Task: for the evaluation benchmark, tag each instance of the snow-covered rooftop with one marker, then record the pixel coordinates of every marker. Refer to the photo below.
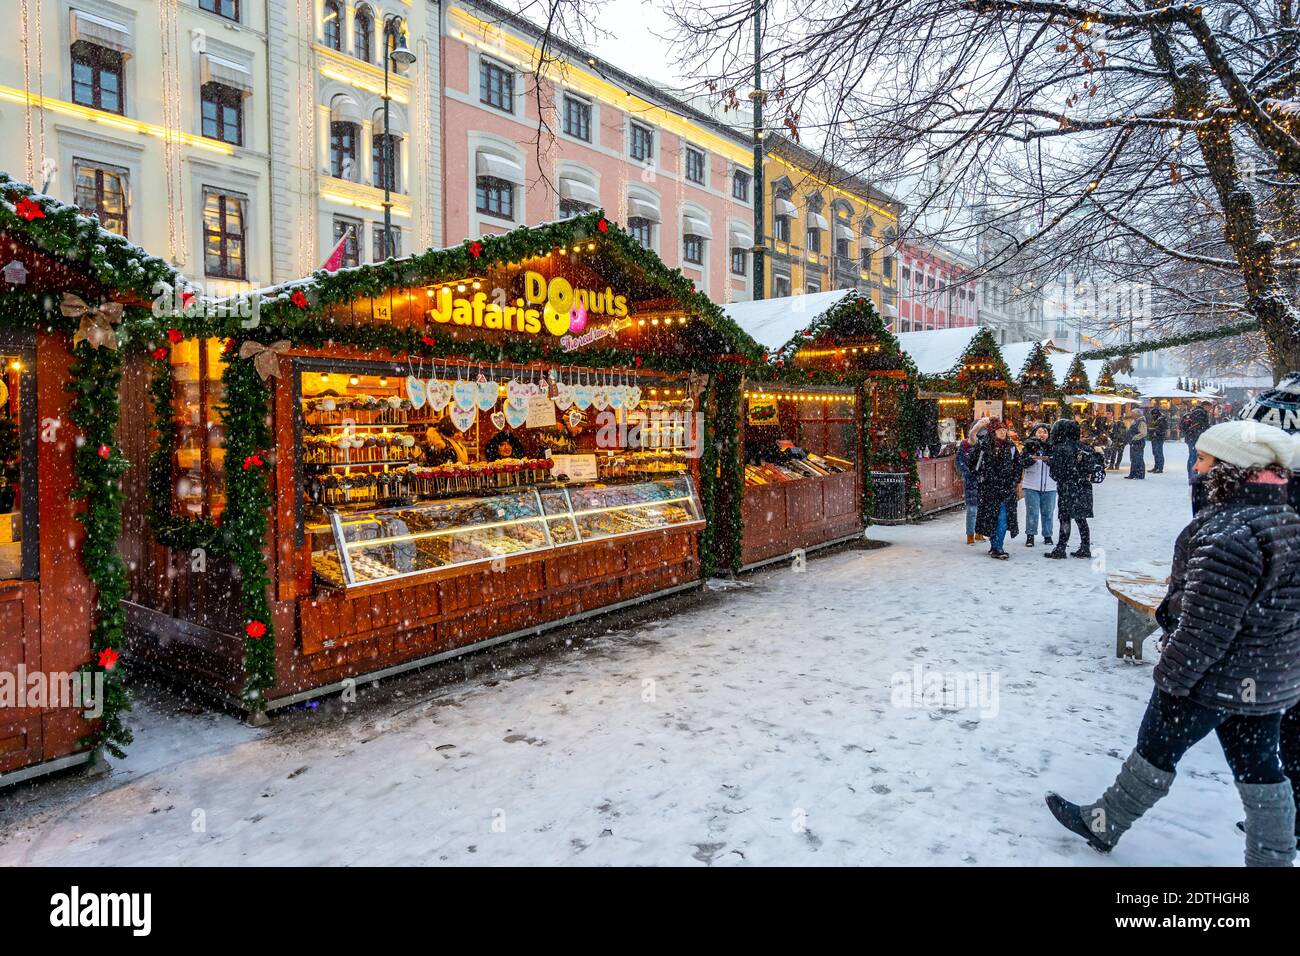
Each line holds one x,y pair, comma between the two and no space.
937,351
774,322
1060,363
1016,355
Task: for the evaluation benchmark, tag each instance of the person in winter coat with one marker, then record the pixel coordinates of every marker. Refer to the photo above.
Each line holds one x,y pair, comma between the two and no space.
1040,487
995,463
1137,442
970,487
1097,437
1159,435
1192,425
1071,465
1231,663
1118,439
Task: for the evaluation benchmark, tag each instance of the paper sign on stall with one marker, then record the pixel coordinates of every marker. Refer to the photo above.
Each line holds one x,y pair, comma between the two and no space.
987,409
575,467
541,412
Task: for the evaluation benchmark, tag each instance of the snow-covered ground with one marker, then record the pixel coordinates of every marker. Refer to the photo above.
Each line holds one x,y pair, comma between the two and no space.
757,726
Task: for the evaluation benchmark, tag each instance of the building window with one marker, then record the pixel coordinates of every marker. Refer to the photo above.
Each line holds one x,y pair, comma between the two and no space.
97,77
813,289
496,86
814,240
333,25
693,249
386,154
343,150
223,113
842,248
780,286
222,8
739,261
866,257
781,228
740,185
380,252
643,143
223,235
577,118
642,230
496,197
101,192
694,166
352,247
887,266
571,207
363,37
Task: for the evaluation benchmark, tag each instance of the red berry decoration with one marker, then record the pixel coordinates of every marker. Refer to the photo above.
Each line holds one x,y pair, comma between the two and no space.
229,347
187,297
427,340
104,452
637,360
299,299
255,629
160,353
602,225
108,658
253,461
476,248
29,210
175,336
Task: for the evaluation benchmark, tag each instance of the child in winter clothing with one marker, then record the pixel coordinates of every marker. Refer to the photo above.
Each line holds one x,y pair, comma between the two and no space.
995,463
1040,487
1231,662
970,488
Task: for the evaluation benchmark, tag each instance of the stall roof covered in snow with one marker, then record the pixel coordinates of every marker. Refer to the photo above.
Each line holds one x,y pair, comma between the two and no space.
1060,363
1093,367
774,322
1016,354
937,352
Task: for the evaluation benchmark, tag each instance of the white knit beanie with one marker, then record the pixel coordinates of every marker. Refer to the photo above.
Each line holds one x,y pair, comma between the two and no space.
1250,444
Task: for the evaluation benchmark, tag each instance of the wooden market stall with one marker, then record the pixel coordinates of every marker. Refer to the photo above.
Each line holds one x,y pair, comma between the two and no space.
1035,396
812,420
962,376
65,282
456,449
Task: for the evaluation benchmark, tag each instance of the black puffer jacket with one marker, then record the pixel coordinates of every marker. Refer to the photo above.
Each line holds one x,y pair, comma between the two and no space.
1234,606
997,470
1067,460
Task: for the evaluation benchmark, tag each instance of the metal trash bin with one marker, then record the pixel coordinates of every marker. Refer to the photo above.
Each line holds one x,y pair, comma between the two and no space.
890,488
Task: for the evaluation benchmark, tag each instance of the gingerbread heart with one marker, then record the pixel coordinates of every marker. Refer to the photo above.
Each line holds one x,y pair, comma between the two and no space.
437,394
499,420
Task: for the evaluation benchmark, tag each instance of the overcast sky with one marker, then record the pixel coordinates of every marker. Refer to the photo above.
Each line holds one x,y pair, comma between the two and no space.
632,43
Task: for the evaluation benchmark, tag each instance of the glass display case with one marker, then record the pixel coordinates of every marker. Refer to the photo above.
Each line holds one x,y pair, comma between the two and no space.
362,547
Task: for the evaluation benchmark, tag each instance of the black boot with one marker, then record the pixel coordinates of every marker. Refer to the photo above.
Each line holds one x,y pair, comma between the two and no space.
1070,816
1029,541
1056,552
1047,539
1083,552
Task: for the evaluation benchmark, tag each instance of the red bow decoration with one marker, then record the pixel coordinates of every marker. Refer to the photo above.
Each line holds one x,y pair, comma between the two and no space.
186,298
602,226
637,359
298,299
108,658
105,451
255,629
175,336
253,461
160,353
28,209
427,340
476,248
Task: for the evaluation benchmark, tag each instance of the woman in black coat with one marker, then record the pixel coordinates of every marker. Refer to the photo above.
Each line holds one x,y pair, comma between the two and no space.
1071,465
1231,661
996,466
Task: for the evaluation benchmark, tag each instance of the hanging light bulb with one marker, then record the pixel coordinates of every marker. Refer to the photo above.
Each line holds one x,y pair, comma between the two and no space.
353,380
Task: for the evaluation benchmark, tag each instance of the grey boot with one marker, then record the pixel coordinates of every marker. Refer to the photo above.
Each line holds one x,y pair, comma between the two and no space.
1270,823
1136,790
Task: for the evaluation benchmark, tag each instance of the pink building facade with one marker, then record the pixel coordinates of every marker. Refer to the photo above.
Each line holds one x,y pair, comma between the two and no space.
672,176
935,290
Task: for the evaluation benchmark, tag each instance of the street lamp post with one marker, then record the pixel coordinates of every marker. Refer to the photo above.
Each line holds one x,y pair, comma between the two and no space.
760,271
400,56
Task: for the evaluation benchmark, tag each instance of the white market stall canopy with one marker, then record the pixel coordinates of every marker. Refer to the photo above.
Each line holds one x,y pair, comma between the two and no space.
1060,363
1016,354
1102,399
937,352
774,322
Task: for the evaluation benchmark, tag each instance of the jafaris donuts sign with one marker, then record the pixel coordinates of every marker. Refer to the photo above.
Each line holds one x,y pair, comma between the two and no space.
554,305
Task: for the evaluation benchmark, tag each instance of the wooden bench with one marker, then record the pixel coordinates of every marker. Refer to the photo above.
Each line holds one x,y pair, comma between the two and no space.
1139,592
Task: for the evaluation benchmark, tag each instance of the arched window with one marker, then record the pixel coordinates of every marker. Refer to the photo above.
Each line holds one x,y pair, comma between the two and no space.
363,40
333,25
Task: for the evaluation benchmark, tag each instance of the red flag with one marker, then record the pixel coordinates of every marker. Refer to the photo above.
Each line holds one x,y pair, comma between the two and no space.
336,257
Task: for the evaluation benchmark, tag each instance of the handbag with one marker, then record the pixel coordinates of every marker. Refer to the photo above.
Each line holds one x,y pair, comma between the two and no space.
1093,465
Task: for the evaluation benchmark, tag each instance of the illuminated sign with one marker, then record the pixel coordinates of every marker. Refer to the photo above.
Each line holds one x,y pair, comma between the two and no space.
553,305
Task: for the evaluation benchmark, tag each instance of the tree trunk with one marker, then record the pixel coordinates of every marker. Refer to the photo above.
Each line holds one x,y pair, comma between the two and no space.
1256,252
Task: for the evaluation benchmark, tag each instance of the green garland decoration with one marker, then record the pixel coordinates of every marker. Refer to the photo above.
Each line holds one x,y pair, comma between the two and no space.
98,466
722,460
1173,341
244,525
